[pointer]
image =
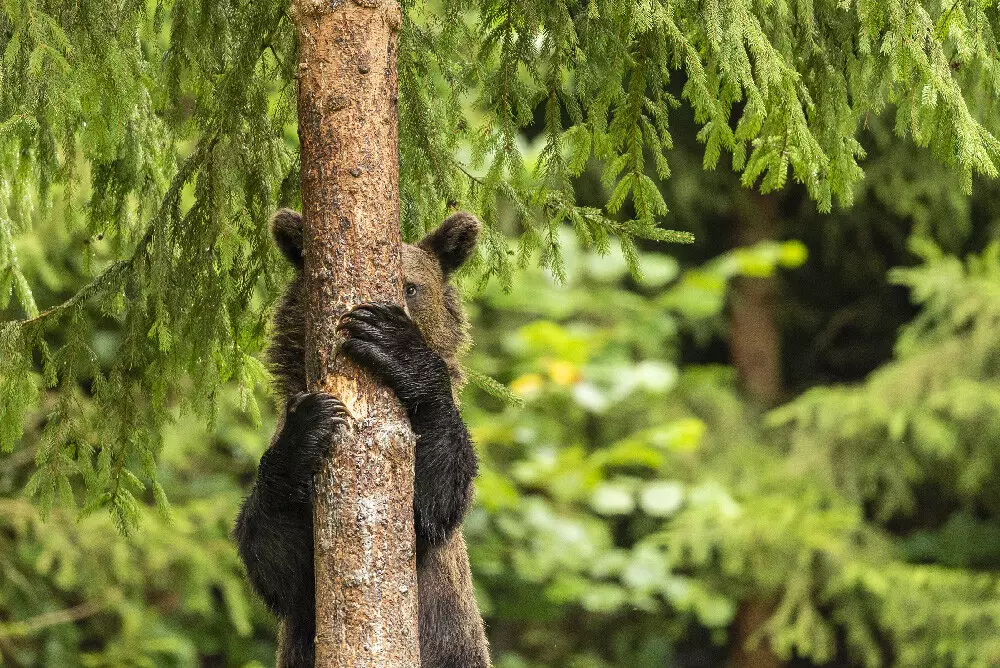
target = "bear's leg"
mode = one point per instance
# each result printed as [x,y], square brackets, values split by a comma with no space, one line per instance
[274,528]
[297,648]
[384,340]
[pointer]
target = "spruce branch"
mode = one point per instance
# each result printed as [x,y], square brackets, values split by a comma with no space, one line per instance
[115,274]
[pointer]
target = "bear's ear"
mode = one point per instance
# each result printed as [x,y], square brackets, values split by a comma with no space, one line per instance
[286,228]
[453,242]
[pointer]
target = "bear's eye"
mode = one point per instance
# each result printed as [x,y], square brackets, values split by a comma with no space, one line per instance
[411,290]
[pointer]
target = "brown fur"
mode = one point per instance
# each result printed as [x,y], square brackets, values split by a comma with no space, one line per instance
[437,311]
[446,597]
[451,628]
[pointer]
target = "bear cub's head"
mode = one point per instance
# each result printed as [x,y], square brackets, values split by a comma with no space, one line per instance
[431,302]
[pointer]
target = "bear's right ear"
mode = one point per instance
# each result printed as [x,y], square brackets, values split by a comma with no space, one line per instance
[453,241]
[286,228]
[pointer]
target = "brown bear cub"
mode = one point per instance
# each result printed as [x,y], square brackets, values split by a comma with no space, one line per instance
[417,356]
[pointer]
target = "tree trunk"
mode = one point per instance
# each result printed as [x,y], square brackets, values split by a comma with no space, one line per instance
[755,348]
[751,615]
[754,335]
[366,586]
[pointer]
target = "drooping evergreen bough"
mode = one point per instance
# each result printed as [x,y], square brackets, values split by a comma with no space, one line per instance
[417,356]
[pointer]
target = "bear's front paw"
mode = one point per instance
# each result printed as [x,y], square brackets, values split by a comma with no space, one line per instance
[310,421]
[384,340]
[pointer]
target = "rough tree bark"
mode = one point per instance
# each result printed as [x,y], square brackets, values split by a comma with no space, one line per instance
[755,349]
[366,586]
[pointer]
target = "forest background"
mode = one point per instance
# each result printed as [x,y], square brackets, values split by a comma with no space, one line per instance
[784,432]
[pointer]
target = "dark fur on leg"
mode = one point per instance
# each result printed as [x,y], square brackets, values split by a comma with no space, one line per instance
[383,339]
[446,466]
[298,640]
[451,630]
[274,528]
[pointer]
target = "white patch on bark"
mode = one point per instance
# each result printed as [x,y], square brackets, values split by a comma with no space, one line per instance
[372,513]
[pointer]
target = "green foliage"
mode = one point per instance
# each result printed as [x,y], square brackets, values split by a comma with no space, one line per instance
[174,249]
[632,500]
[916,442]
[156,134]
[77,593]
[582,490]
[931,416]
[629,490]
[628,502]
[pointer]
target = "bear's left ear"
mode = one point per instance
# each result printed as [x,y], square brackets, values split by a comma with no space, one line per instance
[453,242]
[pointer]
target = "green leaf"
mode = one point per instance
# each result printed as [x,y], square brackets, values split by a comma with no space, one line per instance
[610,499]
[661,499]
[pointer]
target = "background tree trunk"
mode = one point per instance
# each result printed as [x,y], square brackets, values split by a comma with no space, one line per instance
[755,349]
[366,587]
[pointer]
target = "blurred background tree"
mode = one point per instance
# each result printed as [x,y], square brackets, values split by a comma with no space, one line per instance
[775,446]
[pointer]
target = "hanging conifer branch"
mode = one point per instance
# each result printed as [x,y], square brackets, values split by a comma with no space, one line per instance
[112,277]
